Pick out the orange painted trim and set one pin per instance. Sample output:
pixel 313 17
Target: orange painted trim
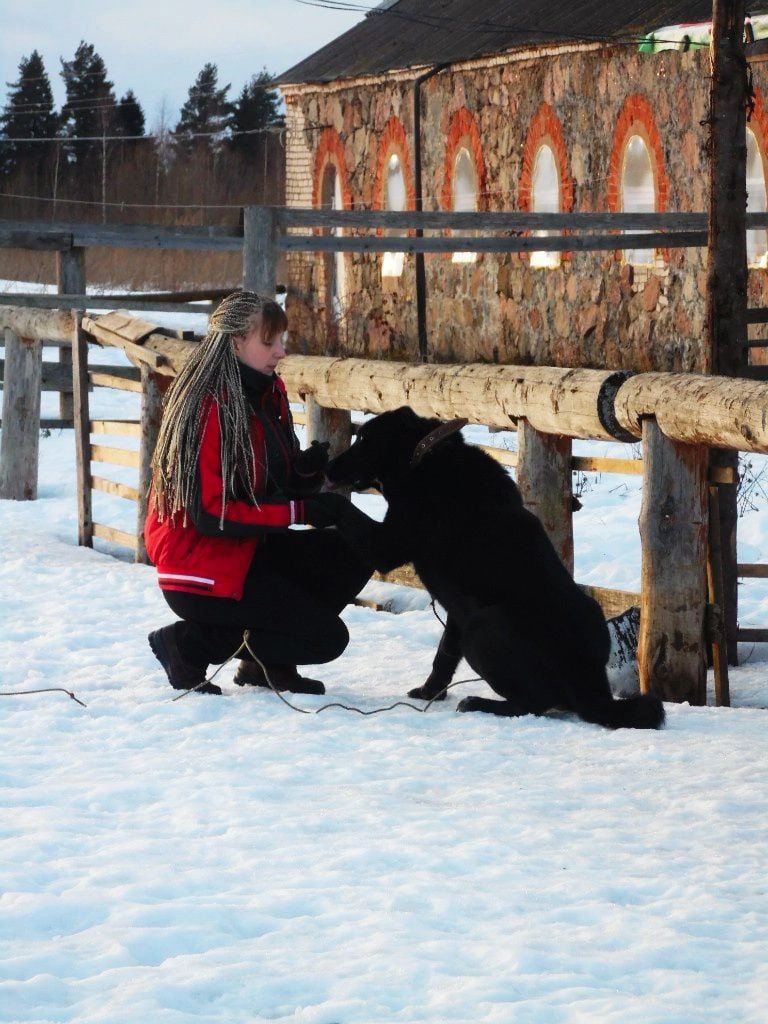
pixel 393 141
pixel 545 130
pixel 330 150
pixel 463 133
pixel 636 118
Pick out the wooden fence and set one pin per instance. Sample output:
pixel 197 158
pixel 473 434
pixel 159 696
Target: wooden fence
pixel 678 417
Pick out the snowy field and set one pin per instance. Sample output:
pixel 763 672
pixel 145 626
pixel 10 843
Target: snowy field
pixel 227 860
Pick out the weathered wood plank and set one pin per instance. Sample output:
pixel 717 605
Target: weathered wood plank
pixel 472 243
pixel 752 570
pixel 115 536
pixel 129 428
pixel 39 235
pixel 114 487
pixel 756 636
pixel 111 380
pixel 114 456
pixel 673 534
pixel 34 300
pixel 42 239
pixel 20 443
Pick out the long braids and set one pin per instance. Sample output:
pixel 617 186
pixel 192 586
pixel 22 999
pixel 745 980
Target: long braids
pixel 211 374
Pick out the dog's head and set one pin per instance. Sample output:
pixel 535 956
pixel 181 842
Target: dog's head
pixel 382 451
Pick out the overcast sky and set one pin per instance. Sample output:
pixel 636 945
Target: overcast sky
pixel 157 47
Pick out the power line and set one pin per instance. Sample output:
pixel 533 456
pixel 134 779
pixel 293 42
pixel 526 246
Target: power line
pixel 446 21
pixel 126 206
pixel 223 133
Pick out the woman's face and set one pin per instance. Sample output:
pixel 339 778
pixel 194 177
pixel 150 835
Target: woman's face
pixel 258 351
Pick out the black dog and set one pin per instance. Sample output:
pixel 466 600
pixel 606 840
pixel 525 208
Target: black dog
pixel 514 611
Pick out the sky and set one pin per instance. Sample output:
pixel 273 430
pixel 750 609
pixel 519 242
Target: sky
pixel 157 48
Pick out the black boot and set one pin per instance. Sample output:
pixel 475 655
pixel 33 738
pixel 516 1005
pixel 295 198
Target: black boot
pixel 182 675
pixel 283 677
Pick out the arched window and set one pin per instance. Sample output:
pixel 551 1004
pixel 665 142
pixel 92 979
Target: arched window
pixel 464 194
pixel 330 191
pixel 637 177
pixel 757 202
pixel 545 198
pixel 545 183
pixel 638 191
pixel 464 173
pixel 335 270
pixel 394 199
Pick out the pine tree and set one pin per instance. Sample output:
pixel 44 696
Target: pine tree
pixel 28 113
pixel 256 108
pixel 206 110
pixel 129 117
pixel 90 107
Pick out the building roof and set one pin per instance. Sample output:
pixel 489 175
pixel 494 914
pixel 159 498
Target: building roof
pixel 414 33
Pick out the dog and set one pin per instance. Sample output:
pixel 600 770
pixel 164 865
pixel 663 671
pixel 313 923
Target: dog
pixel 513 610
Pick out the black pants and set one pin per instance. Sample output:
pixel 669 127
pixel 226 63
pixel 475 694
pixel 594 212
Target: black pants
pixel 298 583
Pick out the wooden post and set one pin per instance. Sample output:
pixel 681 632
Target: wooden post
pixel 82 424
pixel 716 594
pixel 673 532
pixel 151 414
pixel 260 253
pixel 332 425
pixel 70 280
pixel 20 445
pixel 727 252
pixel 545 482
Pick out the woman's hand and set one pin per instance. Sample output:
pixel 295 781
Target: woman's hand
pixel 326 509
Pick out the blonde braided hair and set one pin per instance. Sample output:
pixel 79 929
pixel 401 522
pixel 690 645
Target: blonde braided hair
pixel 211 374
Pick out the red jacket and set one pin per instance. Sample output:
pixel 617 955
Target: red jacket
pixel 208 555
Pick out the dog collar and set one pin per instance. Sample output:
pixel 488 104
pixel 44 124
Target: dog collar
pixel 426 444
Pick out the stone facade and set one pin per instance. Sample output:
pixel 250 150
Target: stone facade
pixel 593 309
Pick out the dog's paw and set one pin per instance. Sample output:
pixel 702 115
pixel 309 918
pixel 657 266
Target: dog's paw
pixel 470 704
pixel 426 693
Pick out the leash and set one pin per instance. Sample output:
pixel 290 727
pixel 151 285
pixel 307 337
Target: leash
pixel 47 689
pixel 338 704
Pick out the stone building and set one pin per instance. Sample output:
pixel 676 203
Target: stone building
pixel 522 106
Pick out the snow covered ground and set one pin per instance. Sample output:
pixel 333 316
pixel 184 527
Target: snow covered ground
pixel 227 860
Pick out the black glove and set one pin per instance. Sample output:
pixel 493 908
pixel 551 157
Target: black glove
pixel 312 460
pixel 325 509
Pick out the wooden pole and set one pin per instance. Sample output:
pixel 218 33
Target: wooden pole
pixel 82 427
pixel 727 252
pixel 332 425
pixel 545 481
pixel 20 445
pixel 673 534
pixel 716 599
pixel 151 414
pixel 260 252
pixel 70 280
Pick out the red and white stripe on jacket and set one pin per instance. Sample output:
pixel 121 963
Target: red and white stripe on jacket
pixel 208 555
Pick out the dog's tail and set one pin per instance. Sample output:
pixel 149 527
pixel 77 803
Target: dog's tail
pixel 638 712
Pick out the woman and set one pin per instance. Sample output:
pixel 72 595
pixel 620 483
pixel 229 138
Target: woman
pixel 228 482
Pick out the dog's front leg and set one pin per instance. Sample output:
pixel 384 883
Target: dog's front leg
pixel 385 545
pixel 446 661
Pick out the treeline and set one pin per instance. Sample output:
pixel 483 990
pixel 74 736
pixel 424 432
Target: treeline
pixel 96 160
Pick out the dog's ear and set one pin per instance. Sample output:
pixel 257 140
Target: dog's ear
pixel 406 415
